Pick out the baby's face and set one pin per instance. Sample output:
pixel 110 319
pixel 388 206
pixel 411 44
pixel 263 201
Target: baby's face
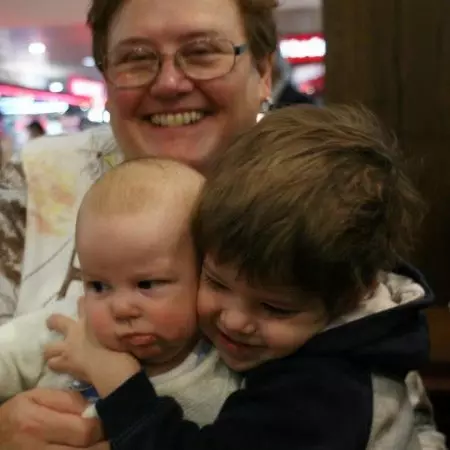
pixel 141 279
pixel 251 326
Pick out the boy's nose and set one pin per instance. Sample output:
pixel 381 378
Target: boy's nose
pixel 237 322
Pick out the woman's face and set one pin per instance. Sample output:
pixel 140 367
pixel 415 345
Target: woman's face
pixel 227 105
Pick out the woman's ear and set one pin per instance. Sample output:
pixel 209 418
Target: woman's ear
pixel 265 69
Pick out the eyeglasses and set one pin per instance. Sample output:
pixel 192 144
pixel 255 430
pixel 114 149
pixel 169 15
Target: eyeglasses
pixel 204 59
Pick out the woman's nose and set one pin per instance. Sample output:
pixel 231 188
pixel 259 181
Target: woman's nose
pixel 170 81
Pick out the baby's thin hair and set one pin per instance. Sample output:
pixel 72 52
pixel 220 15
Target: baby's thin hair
pixel 135 185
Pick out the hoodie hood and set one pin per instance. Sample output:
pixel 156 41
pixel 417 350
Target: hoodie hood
pixel 388 332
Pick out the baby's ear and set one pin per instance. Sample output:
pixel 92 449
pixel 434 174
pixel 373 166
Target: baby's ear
pixel 81 301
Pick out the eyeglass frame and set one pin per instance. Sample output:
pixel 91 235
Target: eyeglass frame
pixel 238 49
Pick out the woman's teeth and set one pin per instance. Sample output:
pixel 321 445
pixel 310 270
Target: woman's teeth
pixel 176 120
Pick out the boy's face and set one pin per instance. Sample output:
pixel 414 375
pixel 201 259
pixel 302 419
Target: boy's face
pixel 251 326
pixel 141 280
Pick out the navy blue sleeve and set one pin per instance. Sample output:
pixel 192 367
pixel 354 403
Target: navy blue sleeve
pixel 321 408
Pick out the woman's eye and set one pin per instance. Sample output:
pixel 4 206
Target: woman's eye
pixel 201 50
pixel 135 55
pixel 142 56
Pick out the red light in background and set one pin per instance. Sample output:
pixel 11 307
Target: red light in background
pixel 303 48
pixel 95 90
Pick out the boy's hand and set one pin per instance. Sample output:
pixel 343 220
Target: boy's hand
pixel 83 357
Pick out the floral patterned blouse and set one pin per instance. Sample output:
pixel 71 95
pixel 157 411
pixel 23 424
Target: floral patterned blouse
pixel 39 199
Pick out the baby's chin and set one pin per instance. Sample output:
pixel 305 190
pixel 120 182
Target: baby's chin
pixel 144 357
pixel 150 355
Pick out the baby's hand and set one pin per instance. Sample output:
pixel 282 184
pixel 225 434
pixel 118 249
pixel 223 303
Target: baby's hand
pixel 82 356
pixel 78 353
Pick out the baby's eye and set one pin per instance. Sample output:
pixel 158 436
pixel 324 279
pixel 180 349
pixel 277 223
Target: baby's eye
pixel 151 284
pixel 146 284
pixel 96 286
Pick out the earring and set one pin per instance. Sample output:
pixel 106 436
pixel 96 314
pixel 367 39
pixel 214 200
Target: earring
pixel 267 105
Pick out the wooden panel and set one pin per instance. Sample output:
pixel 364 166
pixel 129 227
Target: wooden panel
pixel 425 132
pixel 394 57
pixel 439 320
pixel 362 60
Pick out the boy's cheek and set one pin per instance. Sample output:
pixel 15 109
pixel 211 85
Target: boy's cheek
pixel 206 306
pixel 207 315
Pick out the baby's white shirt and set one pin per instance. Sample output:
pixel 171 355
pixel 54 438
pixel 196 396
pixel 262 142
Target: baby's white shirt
pixel 201 384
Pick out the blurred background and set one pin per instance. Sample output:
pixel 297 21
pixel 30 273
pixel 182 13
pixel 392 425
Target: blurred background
pixel 47 74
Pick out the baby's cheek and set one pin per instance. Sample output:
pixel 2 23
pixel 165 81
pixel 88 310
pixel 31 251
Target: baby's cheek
pixel 178 325
pixel 100 324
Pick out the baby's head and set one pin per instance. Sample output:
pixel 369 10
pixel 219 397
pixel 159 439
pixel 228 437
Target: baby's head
pixel 296 220
pixel 138 262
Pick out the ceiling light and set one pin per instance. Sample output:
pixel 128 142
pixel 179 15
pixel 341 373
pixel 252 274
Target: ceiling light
pixel 56 86
pixel 37 48
pixel 88 61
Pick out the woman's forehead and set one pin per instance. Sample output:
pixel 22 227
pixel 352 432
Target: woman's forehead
pixel 170 20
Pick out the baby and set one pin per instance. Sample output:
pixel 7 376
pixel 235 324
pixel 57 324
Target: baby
pixel 140 272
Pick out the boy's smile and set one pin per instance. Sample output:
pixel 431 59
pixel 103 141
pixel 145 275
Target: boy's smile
pixel 251 326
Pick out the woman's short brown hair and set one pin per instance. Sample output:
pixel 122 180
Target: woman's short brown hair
pixel 257 17
pixel 311 199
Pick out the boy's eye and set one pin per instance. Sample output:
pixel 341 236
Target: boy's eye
pixel 275 311
pixel 214 284
pixel 96 286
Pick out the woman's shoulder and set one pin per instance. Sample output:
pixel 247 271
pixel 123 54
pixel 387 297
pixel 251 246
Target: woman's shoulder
pixel 94 140
pixel 12 235
pixel 85 156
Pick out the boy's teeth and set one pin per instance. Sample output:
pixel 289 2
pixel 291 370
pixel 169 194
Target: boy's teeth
pixel 176 120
